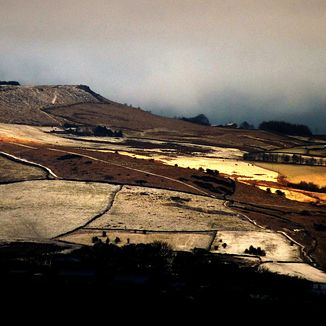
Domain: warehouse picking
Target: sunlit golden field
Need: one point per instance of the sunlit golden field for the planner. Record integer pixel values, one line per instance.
(298, 195)
(237, 169)
(296, 173)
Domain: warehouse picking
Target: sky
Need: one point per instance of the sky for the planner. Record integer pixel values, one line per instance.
(232, 60)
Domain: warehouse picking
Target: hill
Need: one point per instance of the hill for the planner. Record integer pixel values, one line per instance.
(142, 124)
(56, 105)
(25, 104)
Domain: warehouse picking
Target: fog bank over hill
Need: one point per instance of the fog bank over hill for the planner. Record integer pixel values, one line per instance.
(231, 60)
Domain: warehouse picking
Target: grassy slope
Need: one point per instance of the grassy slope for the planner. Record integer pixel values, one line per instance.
(141, 123)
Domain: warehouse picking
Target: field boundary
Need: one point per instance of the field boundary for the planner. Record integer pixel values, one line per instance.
(102, 212)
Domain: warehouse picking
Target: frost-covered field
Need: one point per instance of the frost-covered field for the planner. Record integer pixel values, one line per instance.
(276, 246)
(300, 270)
(156, 209)
(45, 209)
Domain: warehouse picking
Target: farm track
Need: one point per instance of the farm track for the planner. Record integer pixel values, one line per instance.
(266, 212)
(131, 169)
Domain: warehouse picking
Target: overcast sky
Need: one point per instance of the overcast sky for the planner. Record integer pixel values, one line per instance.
(235, 60)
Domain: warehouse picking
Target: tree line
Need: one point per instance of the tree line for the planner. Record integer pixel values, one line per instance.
(284, 158)
(285, 128)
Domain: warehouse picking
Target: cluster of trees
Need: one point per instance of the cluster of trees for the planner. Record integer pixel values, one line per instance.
(286, 128)
(9, 83)
(309, 186)
(255, 251)
(246, 125)
(102, 131)
(98, 131)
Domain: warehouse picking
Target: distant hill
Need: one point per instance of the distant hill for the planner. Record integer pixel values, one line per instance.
(78, 104)
(25, 104)
(200, 119)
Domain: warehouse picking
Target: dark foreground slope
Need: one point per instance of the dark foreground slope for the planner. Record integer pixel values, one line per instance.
(144, 276)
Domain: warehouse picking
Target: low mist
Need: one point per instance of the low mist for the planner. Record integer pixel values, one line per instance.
(231, 60)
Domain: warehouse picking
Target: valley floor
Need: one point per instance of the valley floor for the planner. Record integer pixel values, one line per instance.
(116, 193)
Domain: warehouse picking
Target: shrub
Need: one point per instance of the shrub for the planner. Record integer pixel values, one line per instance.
(320, 227)
(141, 182)
(280, 193)
(255, 251)
(212, 172)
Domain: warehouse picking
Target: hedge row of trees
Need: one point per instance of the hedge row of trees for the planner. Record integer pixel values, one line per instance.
(309, 186)
(284, 158)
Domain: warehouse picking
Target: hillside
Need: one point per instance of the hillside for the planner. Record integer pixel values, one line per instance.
(24, 104)
(55, 105)
(139, 123)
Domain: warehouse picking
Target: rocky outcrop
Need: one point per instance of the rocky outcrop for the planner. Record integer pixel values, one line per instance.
(199, 119)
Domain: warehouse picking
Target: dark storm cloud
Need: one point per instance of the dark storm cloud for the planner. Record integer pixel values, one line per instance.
(233, 60)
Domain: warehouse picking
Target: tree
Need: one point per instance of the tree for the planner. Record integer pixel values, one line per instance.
(285, 128)
(280, 193)
(246, 125)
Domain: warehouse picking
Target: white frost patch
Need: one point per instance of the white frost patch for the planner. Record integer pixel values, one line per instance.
(45, 209)
(145, 208)
(301, 270)
(276, 246)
